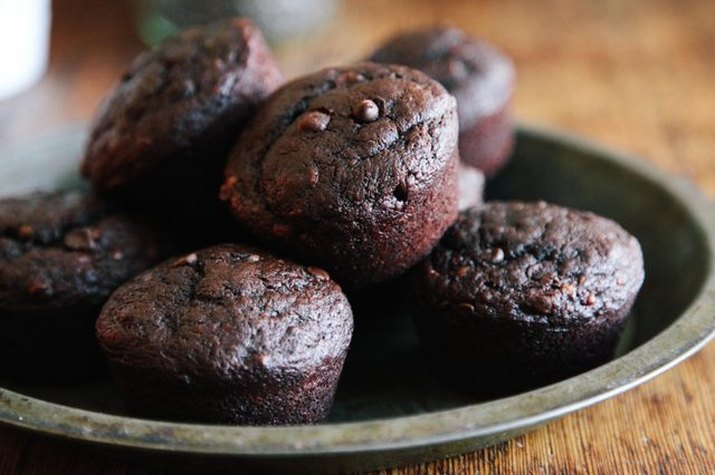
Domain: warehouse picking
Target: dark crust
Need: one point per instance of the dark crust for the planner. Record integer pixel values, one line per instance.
(364, 200)
(225, 308)
(479, 76)
(559, 265)
(180, 105)
(523, 294)
(65, 249)
(230, 321)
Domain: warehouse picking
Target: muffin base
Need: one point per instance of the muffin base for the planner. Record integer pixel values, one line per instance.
(492, 357)
(253, 397)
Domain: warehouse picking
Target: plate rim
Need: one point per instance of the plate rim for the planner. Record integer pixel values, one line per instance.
(686, 335)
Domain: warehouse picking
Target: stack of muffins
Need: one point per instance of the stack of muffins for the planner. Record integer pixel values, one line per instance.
(271, 205)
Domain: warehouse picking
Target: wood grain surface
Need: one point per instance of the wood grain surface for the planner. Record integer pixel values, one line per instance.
(637, 75)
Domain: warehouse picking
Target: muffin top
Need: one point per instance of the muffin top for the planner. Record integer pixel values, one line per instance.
(479, 76)
(223, 310)
(532, 262)
(65, 249)
(336, 162)
(191, 94)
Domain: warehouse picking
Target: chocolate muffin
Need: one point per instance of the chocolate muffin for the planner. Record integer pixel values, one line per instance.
(353, 169)
(518, 295)
(479, 76)
(470, 183)
(61, 256)
(161, 138)
(228, 334)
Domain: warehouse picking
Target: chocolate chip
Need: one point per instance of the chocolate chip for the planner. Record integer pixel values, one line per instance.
(189, 259)
(227, 188)
(319, 273)
(348, 78)
(39, 286)
(466, 308)
(25, 231)
(568, 289)
(496, 255)
(462, 271)
(260, 359)
(314, 121)
(367, 111)
(83, 239)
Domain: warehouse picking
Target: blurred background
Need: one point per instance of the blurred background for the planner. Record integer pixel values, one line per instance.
(635, 74)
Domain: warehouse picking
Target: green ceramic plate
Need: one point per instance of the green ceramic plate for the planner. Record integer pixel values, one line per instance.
(389, 409)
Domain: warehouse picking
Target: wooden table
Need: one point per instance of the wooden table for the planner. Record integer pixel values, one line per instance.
(638, 75)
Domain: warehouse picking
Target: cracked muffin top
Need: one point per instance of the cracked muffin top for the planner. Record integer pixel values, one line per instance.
(226, 309)
(532, 262)
(352, 168)
(65, 249)
(182, 104)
